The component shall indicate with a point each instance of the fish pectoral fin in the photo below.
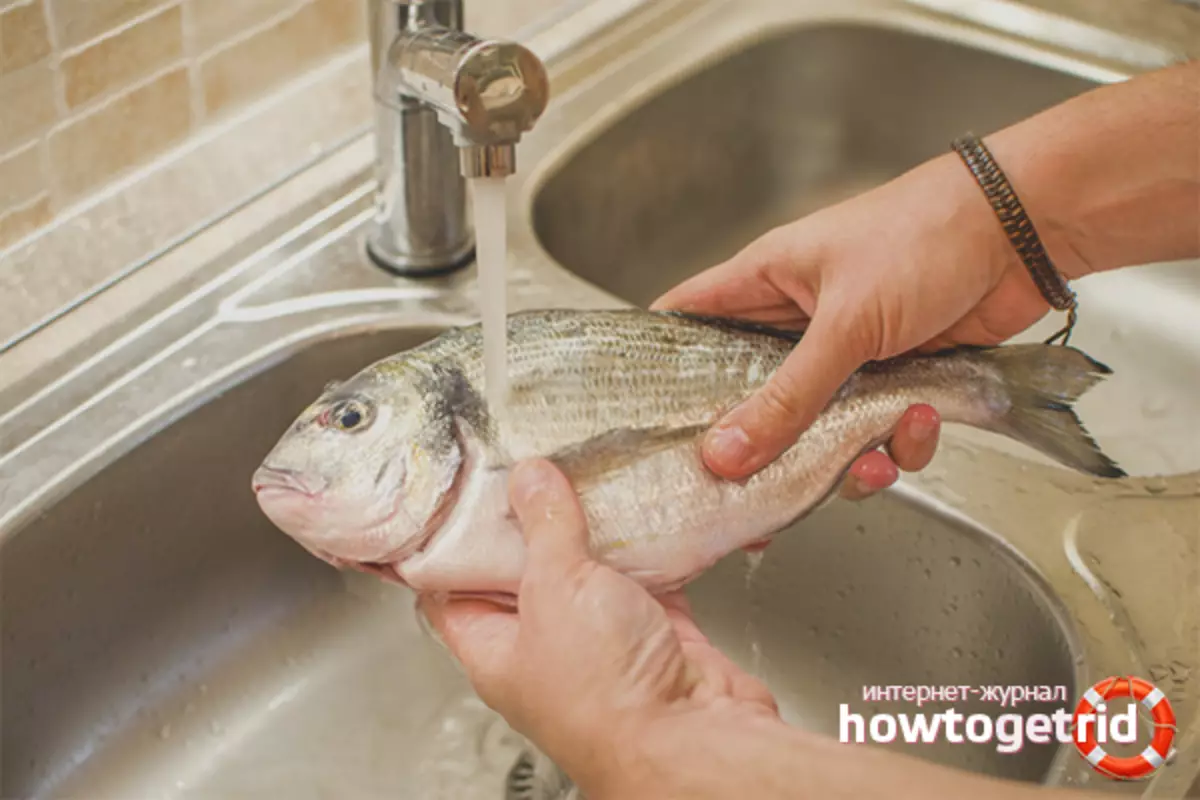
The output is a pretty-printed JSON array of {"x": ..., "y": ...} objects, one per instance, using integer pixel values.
[{"x": 589, "y": 461}]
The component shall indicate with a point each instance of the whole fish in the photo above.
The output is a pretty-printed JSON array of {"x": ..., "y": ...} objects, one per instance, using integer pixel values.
[{"x": 402, "y": 470}]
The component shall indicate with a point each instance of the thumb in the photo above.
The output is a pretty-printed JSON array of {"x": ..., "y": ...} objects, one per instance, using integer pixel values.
[
  {"x": 552, "y": 521},
  {"x": 768, "y": 422}
]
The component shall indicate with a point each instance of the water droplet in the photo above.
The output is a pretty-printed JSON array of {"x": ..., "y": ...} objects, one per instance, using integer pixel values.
[
  {"x": 955, "y": 652},
  {"x": 860, "y": 529},
  {"x": 999, "y": 653},
  {"x": 1156, "y": 485},
  {"x": 164, "y": 732},
  {"x": 204, "y": 688},
  {"x": 215, "y": 728},
  {"x": 955, "y": 561},
  {"x": 1155, "y": 407},
  {"x": 928, "y": 574}
]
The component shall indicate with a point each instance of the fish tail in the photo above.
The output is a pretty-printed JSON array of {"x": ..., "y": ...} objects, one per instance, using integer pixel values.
[{"x": 1041, "y": 383}]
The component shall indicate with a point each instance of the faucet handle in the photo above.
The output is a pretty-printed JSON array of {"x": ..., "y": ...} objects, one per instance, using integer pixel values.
[{"x": 487, "y": 92}]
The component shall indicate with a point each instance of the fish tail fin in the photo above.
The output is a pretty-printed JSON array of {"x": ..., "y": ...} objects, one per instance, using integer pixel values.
[{"x": 1041, "y": 383}]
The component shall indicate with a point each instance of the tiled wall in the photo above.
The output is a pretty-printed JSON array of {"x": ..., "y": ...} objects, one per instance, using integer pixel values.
[{"x": 90, "y": 89}]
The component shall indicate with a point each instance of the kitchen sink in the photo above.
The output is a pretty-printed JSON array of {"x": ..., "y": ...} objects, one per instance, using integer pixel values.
[
  {"x": 160, "y": 637},
  {"x": 159, "y": 631},
  {"x": 794, "y": 122}
]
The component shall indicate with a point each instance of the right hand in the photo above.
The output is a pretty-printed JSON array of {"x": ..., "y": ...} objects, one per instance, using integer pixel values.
[{"x": 918, "y": 263}]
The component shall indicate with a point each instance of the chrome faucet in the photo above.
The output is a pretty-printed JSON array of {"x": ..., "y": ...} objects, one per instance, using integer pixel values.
[{"x": 448, "y": 106}]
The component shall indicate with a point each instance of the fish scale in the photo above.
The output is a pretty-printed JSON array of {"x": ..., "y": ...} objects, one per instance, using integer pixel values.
[{"x": 620, "y": 400}]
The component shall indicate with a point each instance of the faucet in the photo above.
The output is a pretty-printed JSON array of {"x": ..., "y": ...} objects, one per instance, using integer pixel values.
[{"x": 448, "y": 106}]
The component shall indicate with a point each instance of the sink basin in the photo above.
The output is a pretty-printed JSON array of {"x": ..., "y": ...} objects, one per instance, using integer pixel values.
[
  {"x": 789, "y": 124},
  {"x": 162, "y": 637},
  {"x": 188, "y": 644},
  {"x": 889, "y": 591}
]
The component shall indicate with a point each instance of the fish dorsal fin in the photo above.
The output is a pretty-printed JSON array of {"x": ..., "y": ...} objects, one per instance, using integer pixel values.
[
  {"x": 589, "y": 461},
  {"x": 739, "y": 325}
]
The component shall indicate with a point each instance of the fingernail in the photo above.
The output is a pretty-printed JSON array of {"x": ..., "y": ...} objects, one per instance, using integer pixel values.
[{"x": 730, "y": 446}]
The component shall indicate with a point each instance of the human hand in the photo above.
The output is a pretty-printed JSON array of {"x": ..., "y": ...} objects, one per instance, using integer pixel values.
[
  {"x": 918, "y": 263},
  {"x": 591, "y": 664}
]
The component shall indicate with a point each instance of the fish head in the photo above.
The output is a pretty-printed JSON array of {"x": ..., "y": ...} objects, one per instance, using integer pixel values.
[{"x": 365, "y": 473}]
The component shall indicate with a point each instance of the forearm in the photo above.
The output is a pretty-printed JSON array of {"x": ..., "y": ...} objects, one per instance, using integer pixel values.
[
  {"x": 1112, "y": 178},
  {"x": 767, "y": 759}
]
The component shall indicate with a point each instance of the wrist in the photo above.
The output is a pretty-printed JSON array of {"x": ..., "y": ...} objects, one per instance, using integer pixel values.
[
  {"x": 702, "y": 754},
  {"x": 1044, "y": 193},
  {"x": 1111, "y": 178}
]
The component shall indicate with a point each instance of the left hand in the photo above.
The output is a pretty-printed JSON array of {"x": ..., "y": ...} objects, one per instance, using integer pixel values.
[
  {"x": 591, "y": 662},
  {"x": 911, "y": 448}
]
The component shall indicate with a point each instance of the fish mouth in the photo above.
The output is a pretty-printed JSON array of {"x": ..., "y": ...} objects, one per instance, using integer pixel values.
[{"x": 268, "y": 478}]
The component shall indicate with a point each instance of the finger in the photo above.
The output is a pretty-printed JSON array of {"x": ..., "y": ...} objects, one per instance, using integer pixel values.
[
  {"x": 482, "y": 636},
  {"x": 870, "y": 473},
  {"x": 915, "y": 441},
  {"x": 551, "y": 518},
  {"x": 676, "y": 602},
  {"x": 754, "y": 433},
  {"x": 738, "y": 285}
]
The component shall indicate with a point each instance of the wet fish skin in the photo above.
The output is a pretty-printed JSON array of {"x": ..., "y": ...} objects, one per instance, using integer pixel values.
[{"x": 620, "y": 400}]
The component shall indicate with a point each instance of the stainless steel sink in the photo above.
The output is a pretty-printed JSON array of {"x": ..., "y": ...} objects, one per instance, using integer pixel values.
[
  {"x": 890, "y": 591},
  {"x": 794, "y": 122},
  {"x": 184, "y": 643},
  {"x": 161, "y": 638}
]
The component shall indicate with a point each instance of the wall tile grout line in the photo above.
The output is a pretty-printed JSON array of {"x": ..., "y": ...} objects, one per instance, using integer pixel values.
[
  {"x": 252, "y": 30},
  {"x": 60, "y": 86},
  {"x": 117, "y": 30},
  {"x": 283, "y": 96},
  {"x": 195, "y": 87}
]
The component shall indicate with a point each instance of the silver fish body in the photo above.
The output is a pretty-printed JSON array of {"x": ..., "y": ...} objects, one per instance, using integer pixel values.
[{"x": 417, "y": 488}]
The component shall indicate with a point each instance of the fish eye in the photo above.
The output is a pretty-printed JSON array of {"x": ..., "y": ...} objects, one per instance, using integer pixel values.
[{"x": 349, "y": 415}]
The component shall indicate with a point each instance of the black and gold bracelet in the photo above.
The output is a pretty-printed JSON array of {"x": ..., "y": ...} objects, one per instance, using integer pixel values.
[{"x": 1019, "y": 229}]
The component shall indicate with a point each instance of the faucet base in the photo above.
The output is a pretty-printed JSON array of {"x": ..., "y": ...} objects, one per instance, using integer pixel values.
[{"x": 413, "y": 267}]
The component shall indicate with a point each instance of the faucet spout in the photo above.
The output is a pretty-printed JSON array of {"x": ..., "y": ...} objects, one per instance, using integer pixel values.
[
  {"x": 449, "y": 106},
  {"x": 486, "y": 92}
]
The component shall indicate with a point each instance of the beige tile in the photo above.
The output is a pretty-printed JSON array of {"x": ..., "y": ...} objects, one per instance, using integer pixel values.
[
  {"x": 119, "y": 61},
  {"x": 27, "y": 105},
  {"x": 130, "y": 130},
  {"x": 79, "y": 21},
  {"x": 20, "y": 221},
  {"x": 249, "y": 69},
  {"x": 21, "y": 177},
  {"x": 214, "y": 22},
  {"x": 24, "y": 38}
]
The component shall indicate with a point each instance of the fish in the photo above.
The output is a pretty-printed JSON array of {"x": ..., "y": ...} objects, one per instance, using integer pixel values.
[{"x": 402, "y": 469}]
